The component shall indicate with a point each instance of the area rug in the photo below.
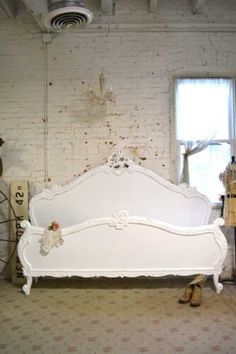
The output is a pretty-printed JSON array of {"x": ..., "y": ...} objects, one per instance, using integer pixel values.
[{"x": 120, "y": 316}]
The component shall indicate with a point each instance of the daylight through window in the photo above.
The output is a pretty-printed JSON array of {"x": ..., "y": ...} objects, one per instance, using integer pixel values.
[{"x": 204, "y": 131}]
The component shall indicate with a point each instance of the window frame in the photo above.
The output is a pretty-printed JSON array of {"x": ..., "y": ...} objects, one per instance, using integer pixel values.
[{"x": 176, "y": 144}]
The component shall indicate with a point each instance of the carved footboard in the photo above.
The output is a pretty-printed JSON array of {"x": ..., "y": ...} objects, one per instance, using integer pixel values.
[
  {"x": 125, "y": 246},
  {"x": 157, "y": 228}
]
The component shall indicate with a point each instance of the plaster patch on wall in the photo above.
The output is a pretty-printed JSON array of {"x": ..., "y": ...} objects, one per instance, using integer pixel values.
[{"x": 14, "y": 157}]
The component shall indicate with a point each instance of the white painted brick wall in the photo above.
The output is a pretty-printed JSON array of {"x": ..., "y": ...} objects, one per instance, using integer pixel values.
[{"x": 139, "y": 66}]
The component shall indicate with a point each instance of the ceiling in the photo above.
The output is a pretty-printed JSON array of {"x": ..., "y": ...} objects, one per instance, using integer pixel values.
[{"x": 39, "y": 8}]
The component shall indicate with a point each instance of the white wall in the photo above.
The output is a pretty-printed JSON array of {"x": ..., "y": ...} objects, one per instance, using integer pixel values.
[{"x": 57, "y": 131}]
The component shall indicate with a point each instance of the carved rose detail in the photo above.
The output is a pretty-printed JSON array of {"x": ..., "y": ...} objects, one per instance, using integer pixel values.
[{"x": 119, "y": 220}]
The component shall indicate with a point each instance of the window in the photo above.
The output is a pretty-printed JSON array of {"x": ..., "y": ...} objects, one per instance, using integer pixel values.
[{"x": 204, "y": 131}]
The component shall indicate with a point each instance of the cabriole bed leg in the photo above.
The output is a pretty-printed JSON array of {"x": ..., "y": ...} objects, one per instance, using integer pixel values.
[
  {"x": 26, "y": 288},
  {"x": 218, "y": 285}
]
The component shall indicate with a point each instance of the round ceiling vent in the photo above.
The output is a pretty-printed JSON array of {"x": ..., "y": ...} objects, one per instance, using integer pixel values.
[{"x": 69, "y": 18}]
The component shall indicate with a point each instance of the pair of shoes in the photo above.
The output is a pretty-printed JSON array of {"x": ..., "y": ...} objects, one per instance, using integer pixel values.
[{"x": 192, "y": 294}]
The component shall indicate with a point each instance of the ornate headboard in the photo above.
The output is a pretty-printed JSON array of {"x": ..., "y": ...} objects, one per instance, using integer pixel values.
[{"x": 120, "y": 185}]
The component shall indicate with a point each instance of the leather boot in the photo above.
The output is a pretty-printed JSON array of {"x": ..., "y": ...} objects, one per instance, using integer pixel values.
[
  {"x": 187, "y": 295},
  {"x": 197, "y": 296},
  {"x": 199, "y": 280}
]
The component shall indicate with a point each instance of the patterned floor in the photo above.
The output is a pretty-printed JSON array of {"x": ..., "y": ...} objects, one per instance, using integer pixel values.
[{"x": 120, "y": 316}]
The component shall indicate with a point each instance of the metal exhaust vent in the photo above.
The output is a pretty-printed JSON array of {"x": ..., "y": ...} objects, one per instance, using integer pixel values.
[{"x": 64, "y": 15}]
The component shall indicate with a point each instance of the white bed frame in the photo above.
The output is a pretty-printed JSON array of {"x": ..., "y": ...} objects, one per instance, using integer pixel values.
[{"x": 122, "y": 220}]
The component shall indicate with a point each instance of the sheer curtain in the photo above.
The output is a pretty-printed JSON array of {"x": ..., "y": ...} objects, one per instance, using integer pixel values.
[
  {"x": 200, "y": 106},
  {"x": 191, "y": 148}
]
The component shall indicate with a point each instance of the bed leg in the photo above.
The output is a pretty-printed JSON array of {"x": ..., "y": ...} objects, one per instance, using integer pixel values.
[
  {"x": 218, "y": 285},
  {"x": 26, "y": 288}
]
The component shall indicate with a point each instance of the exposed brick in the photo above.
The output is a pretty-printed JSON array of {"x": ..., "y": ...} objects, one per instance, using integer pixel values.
[{"x": 139, "y": 66}]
